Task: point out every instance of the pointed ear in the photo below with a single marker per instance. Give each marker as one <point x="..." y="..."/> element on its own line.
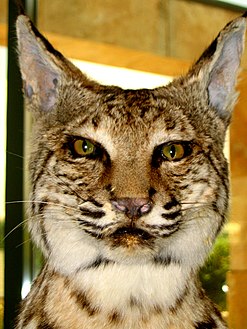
<point x="40" y="64"/>
<point x="217" y="68"/>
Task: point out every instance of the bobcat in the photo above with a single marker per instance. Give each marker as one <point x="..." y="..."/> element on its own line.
<point x="129" y="189"/>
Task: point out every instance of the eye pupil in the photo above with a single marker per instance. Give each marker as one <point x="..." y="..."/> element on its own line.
<point x="172" y="151"/>
<point x="86" y="146"/>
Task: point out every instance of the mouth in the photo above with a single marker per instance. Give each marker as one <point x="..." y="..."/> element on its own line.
<point x="133" y="232"/>
<point x="130" y="237"/>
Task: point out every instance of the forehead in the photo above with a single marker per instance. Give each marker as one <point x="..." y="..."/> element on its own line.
<point x="133" y="116"/>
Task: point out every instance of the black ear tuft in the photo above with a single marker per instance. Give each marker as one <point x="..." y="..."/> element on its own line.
<point x="218" y="67"/>
<point x="39" y="64"/>
<point x="20" y="8"/>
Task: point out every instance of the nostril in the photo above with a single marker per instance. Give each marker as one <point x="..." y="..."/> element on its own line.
<point x="132" y="207"/>
<point x="145" y="208"/>
<point x="119" y="206"/>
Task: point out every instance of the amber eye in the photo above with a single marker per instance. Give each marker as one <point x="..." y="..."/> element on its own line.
<point x="83" y="147"/>
<point x="173" y="152"/>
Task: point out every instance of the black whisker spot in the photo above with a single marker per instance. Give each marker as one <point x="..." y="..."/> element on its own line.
<point x="171" y="204"/>
<point x="93" y="234"/>
<point x="165" y="229"/>
<point x="95" y="203"/>
<point x="172" y="215"/>
<point x="92" y="214"/>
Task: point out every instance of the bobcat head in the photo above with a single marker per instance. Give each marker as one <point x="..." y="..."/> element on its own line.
<point x="128" y="176"/>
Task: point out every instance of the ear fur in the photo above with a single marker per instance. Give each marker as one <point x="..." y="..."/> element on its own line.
<point x="42" y="67"/>
<point x="218" y="66"/>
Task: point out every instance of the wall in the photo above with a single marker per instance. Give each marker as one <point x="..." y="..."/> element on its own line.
<point x="237" y="278"/>
<point x="176" y="28"/>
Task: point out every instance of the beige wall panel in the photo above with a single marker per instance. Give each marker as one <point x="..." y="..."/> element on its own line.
<point x="130" y="23"/>
<point x="238" y="224"/>
<point x="237" y="299"/>
<point x="3" y="11"/>
<point x="193" y="26"/>
<point x="237" y="278"/>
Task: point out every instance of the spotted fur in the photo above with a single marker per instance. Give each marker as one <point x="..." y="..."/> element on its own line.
<point x="124" y="230"/>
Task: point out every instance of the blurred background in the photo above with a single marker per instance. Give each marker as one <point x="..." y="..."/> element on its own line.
<point x="135" y="43"/>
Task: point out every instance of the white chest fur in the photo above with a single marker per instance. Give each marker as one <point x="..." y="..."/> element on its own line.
<point x="116" y="286"/>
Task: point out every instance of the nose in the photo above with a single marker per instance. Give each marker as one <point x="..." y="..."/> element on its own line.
<point x="134" y="208"/>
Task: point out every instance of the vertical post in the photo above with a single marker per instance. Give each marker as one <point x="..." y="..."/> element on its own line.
<point x="15" y="190"/>
<point x="14" y="179"/>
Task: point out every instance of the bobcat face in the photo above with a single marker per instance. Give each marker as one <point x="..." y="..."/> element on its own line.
<point x="133" y="177"/>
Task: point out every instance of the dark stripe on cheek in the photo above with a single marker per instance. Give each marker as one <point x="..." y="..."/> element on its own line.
<point x="172" y="215"/>
<point x="170" y="204"/>
<point x="44" y="234"/>
<point x="96" y="203"/>
<point x="93" y="234"/>
<point x="39" y="173"/>
<point x="223" y="174"/>
<point x="92" y="214"/>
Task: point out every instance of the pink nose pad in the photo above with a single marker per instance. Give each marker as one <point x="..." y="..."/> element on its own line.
<point x="133" y="207"/>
